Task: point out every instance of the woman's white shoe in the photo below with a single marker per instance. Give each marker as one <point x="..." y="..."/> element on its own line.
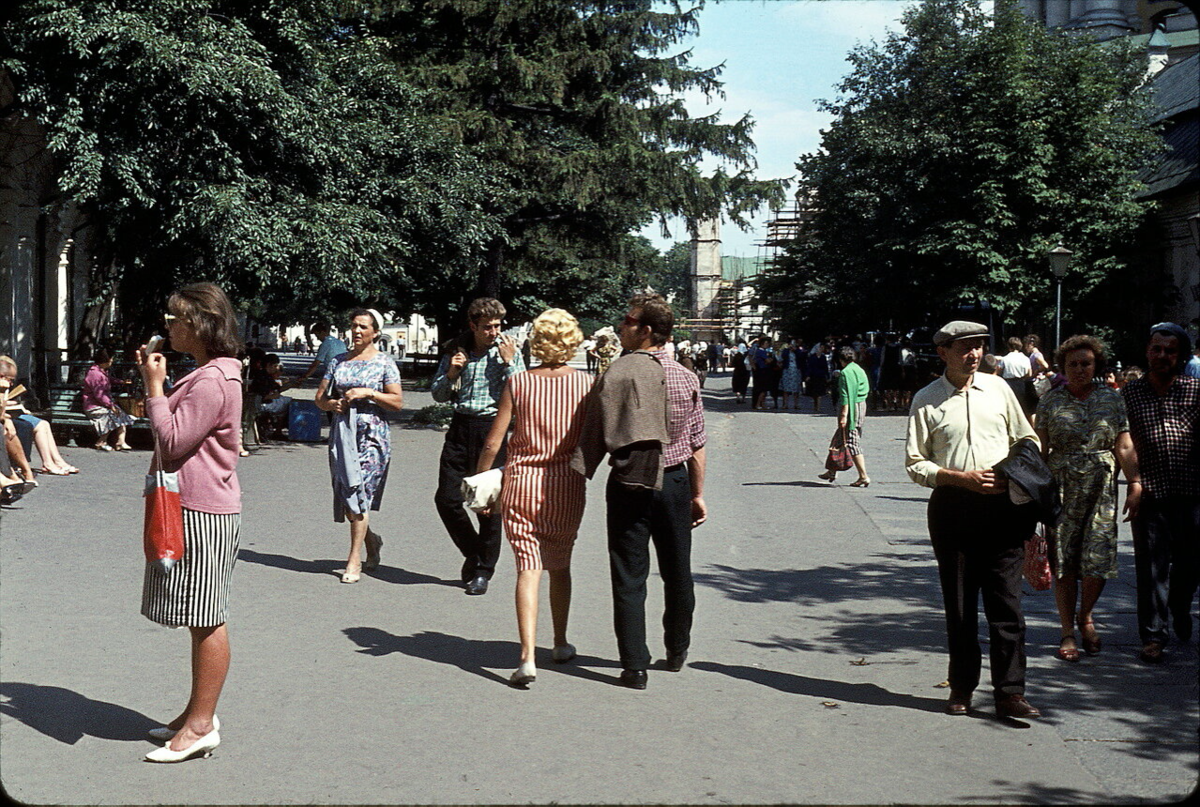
<point x="166" y="733"/>
<point x="525" y="674"/>
<point x="202" y="747"/>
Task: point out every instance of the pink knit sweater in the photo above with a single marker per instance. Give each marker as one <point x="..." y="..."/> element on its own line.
<point x="197" y="426"/>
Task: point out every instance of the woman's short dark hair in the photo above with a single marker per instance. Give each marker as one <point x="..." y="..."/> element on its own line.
<point x="655" y="313"/>
<point x="101" y="356"/>
<point x="1033" y="340"/>
<point x="1014" y="343"/>
<point x="845" y="355"/>
<point x="207" y="310"/>
<point x="362" y="312"/>
<point x="1081" y="342"/>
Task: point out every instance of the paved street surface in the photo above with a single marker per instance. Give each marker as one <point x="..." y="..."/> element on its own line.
<point x="813" y="676"/>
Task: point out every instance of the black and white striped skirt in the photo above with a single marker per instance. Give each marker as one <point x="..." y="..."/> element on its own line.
<point x="196" y="592"/>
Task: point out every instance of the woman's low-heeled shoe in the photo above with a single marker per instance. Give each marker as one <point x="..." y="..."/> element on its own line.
<point x="202" y="747"/>
<point x="525" y="674"/>
<point x="563" y="653"/>
<point x="350" y="577"/>
<point x="166" y="733"/>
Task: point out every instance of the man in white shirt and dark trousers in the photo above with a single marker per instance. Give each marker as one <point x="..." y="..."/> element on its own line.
<point x="959" y="427"/>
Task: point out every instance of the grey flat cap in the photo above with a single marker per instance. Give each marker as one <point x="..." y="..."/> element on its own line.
<point x="959" y="329"/>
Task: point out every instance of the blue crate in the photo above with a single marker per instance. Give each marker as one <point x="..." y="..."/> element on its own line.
<point x="305" y="421"/>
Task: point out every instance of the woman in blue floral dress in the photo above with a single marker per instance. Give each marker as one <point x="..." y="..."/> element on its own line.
<point x="357" y="387"/>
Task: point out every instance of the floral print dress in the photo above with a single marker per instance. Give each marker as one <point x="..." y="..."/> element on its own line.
<point x="1083" y="434"/>
<point x="372" y="435"/>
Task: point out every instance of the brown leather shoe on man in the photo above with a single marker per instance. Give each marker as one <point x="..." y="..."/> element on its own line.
<point x="1016" y="706"/>
<point x="959" y="703"/>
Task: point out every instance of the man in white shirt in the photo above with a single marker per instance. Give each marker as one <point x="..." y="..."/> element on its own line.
<point x="959" y="427"/>
<point x="1014" y="364"/>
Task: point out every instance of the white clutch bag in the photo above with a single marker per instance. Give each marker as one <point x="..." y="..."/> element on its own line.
<point x="482" y="490"/>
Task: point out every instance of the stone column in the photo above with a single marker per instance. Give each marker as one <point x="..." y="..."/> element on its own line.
<point x="706" y="276"/>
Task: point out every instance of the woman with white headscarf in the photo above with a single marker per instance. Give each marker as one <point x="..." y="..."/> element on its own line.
<point x="358" y="386"/>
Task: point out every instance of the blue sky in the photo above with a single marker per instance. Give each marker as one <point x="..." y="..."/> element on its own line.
<point x="780" y="57"/>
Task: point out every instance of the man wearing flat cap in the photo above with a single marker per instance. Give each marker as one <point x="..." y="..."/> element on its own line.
<point x="959" y="427"/>
<point x="1164" y="422"/>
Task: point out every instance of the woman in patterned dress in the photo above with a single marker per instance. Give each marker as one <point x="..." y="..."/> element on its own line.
<point x="358" y="386"/>
<point x="542" y="499"/>
<point x="1085" y="434"/>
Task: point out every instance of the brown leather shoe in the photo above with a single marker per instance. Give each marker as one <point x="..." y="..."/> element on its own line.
<point x="959" y="703"/>
<point x="1016" y="706"/>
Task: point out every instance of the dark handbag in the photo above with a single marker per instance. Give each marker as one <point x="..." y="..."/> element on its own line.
<point x="162" y="528"/>
<point x="840" y="458"/>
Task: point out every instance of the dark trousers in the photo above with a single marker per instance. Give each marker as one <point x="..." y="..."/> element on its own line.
<point x="460" y="453"/>
<point x="1166" y="555"/>
<point x="636" y="517"/>
<point x="979" y="543"/>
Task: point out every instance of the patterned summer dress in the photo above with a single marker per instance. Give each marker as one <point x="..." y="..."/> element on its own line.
<point x="371" y="430"/>
<point x="1082" y="437"/>
<point x="542" y="499"/>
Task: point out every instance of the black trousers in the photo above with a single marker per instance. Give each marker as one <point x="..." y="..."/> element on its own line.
<point x="979" y="542"/>
<point x="460" y="453"/>
<point x="1166" y="556"/>
<point x="636" y="517"/>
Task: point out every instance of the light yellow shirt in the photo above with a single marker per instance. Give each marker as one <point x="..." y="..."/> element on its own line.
<point x="962" y="430"/>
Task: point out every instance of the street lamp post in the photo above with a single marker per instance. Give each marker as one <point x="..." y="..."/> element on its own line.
<point x="1060" y="258"/>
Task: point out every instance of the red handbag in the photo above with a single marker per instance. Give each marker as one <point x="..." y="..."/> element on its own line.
<point x="840" y="458"/>
<point x="162" y="529"/>
<point x="1037" y="560"/>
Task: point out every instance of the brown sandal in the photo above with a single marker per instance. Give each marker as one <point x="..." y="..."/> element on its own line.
<point x="1091" y="643"/>
<point x="1068" y="653"/>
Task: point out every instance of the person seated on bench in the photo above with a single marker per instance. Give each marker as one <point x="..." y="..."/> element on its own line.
<point x="43" y="437"/>
<point x="106" y="416"/>
<point x="266" y="383"/>
<point x="16" y="477"/>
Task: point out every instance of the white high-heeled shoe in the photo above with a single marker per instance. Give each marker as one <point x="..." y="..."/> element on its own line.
<point x="525" y="674"/>
<point x="202" y="747"/>
<point x="166" y="733"/>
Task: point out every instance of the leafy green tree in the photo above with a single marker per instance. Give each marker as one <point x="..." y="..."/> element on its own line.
<point x="576" y="106"/>
<point x="961" y="151"/>
<point x="258" y="143"/>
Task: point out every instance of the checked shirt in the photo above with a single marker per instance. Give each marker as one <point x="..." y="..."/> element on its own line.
<point x="686" y="422"/>
<point x="1164" y="431"/>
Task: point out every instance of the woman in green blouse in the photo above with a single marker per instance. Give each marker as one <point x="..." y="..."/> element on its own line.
<point x="1085" y="434"/>
<point x="852" y="390"/>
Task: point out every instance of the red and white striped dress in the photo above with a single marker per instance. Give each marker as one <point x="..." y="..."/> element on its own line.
<point x="542" y="499"/>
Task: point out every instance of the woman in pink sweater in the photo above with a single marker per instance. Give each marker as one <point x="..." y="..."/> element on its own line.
<point x="196" y="429"/>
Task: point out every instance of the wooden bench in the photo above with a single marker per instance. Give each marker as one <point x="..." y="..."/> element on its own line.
<point x="66" y="412"/>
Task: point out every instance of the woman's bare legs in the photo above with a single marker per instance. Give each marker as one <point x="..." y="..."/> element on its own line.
<point x="560" y="603"/>
<point x="359" y="527"/>
<point x="528" y="581"/>
<point x="210" y="666"/>
<point x="120" y="433"/>
<point x="1066" y="588"/>
<point x="16" y="453"/>
<point x="43" y="438"/>
<point x="860" y="464"/>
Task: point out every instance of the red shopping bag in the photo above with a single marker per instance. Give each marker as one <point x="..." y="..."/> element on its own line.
<point x="1037" y="560"/>
<point x="162" y="530"/>
<point x="840" y="458"/>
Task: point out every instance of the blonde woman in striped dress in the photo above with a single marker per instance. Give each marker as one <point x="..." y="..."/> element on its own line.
<point x="542" y="499"/>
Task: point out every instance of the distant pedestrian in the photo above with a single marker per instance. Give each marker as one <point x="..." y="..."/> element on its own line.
<point x="196" y="429"/>
<point x="1084" y="433"/>
<point x="790" y="377"/>
<point x="359" y="386"/>
<point x="646" y="411"/>
<point x="1037" y="362"/>
<point x="107" y="418"/>
<point x="761" y="366"/>
<point x="741" y="375"/>
<point x="330" y="347"/>
<point x="853" y="388"/>
<point x="961" y="425"/>
<point x="1164" y="421"/>
<point x="816" y="377"/>
<point x="542" y="498"/>
<point x="472" y="375"/>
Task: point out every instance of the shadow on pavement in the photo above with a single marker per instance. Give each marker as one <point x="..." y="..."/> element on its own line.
<point x="388" y="574"/>
<point x="799" y="483"/>
<point x="868" y="694"/>
<point x="470" y="655"/>
<point x="68" y="716"/>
